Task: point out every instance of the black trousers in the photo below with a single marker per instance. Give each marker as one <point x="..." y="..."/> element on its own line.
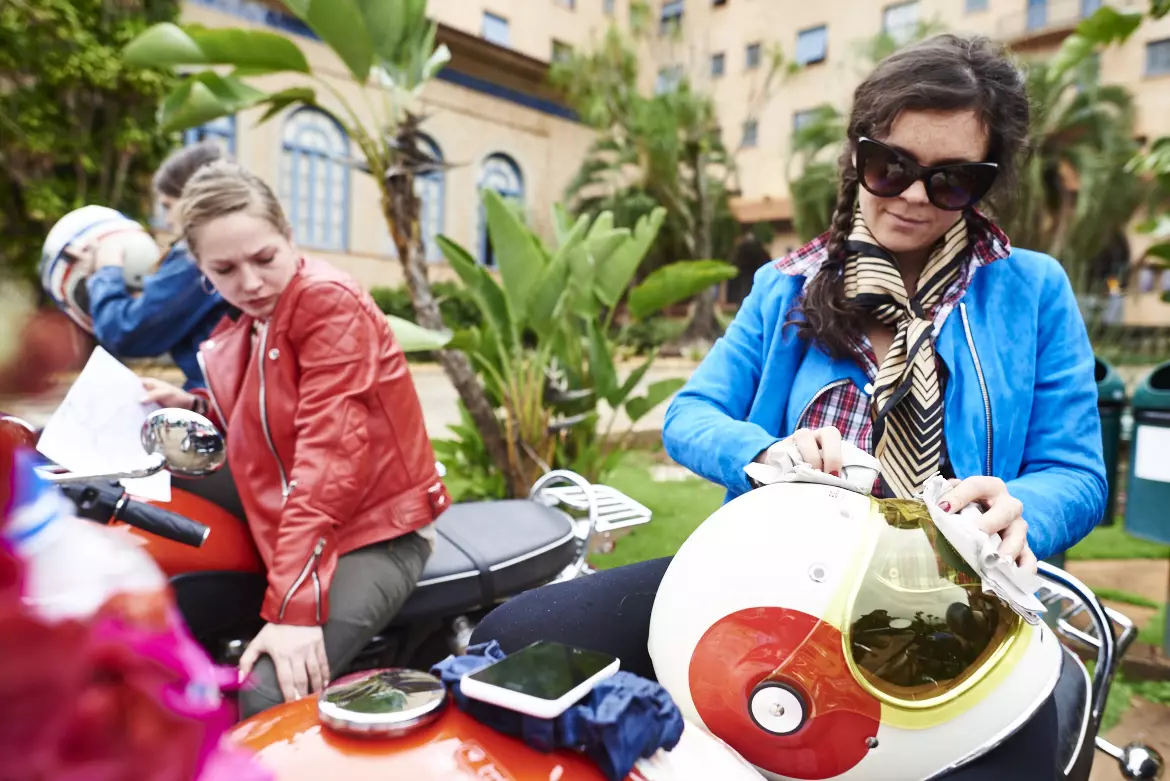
<point x="610" y="612"/>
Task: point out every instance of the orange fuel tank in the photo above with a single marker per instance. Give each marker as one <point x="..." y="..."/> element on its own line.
<point x="228" y="548"/>
<point x="295" y="746"/>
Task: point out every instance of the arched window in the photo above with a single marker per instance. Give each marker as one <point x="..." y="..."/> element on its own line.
<point x="429" y="186"/>
<point x="499" y="173"/>
<point x="314" y="179"/>
<point x="221" y="131"/>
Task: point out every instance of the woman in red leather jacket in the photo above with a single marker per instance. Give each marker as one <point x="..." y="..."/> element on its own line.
<point x="324" y="431"/>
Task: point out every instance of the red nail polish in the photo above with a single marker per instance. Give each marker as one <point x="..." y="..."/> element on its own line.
<point x="945" y="506"/>
<point x="835" y="473"/>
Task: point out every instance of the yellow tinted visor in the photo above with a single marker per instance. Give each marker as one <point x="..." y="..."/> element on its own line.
<point x="918" y="629"/>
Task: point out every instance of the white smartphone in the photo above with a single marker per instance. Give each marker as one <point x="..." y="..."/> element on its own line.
<point x="543" y="680"/>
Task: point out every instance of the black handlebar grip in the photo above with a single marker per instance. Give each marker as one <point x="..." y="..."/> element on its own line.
<point x="162" y="522"/>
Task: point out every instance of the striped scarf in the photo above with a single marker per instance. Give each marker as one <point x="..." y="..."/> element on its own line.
<point x="907" y="403"/>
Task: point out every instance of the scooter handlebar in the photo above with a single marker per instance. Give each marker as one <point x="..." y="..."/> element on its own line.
<point x="162" y="522"/>
<point x="105" y="502"/>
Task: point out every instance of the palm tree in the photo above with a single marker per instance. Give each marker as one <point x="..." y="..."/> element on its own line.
<point x="1075" y="194"/>
<point x="660" y="150"/>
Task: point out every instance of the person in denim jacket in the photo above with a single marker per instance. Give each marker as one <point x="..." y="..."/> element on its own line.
<point x="175" y="310"/>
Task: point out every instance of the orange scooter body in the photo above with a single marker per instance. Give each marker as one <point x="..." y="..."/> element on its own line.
<point x="294" y="746"/>
<point x="228" y="548"/>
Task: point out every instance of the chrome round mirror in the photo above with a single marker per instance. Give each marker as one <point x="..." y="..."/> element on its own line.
<point x="188" y="442"/>
<point x="1141" y="762"/>
<point x="382" y="703"/>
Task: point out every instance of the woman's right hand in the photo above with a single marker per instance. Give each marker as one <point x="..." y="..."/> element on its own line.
<point x="166" y="395"/>
<point x="820" y="449"/>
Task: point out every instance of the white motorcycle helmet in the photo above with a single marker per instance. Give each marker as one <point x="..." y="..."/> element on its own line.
<point x="825" y="634"/>
<point x="73" y="244"/>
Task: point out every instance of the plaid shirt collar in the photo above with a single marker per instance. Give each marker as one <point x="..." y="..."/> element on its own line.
<point x="988" y="244"/>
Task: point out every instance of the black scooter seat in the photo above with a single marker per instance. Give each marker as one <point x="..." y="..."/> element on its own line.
<point x="486" y="551"/>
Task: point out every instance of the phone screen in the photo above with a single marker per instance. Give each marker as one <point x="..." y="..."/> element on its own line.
<point x="544" y="670"/>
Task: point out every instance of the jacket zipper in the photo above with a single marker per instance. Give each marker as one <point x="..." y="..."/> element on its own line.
<point x="982" y="385"/>
<point x="285" y="488"/>
<point x="310" y="568"/>
<point x="817" y="395"/>
<point x="210" y="392"/>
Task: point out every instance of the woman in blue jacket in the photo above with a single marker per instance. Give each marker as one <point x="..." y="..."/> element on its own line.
<point x="911" y="329"/>
<point x="175" y="310"/>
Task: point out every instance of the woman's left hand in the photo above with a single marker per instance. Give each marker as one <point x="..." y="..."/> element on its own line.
<point x="298" y="654"/>
<point x="1003" y="515"/>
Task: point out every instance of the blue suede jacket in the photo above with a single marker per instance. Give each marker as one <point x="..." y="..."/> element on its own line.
<point x="1021" y="398"/>
<point x="173" y="313"/>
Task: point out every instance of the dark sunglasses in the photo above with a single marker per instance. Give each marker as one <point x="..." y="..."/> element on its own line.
<point x="887" y="173"/>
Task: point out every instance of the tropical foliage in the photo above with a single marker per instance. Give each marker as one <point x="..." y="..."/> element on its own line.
<point x="77" y="126"/>
<point x="542" y="349"/>
<point x="388" y="49"/>
<point x="662" y="149"/>
<point x="1105" y="28"/>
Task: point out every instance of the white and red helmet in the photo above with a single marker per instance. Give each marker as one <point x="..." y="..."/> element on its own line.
<point x="824" y="634"/>
<point x="74" y="242"/>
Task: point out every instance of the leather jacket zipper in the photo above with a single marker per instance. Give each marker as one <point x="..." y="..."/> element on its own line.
<point x="817" y="395"/>
<point x="285" y="487"/>
<point x="310" y="569"/>
<point x="982" y="385"/>
<point x="210" y="392"/>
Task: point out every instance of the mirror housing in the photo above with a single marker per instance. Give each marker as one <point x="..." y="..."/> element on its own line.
<point x="188" y="442"/>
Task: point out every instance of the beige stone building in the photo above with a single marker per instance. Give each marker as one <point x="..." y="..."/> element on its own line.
<point x="494" y="118"/>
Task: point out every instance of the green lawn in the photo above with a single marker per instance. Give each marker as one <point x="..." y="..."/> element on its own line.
<point x="1112" y="542"/>
<point x="678" y="507"/>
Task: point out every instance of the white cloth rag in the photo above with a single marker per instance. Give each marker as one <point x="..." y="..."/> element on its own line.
<point x="1000" y="575"/>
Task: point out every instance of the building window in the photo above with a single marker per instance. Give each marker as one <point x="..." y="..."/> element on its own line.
<point x="499" y="173"/>
<point x="718" y="64"/>
<point x="430" y="187"/>
<point x="495" y="29"/>
<point x="1037" y="14"/>
<point x="314" y="179"/>
<point x="751" y="133"/>
<point x="972" y="6"/>
<point x="1090" y="7"/>
<point x="607" y="7"/>
<point x="900" y="21"/>
<point x="220" y="131"/>
<point x="802" y="118"/>
<point x="752" y="56"/>
<point x="811" y="45"/>
<point x="561" y="51"/>
<point x="671" y="19"/>
<point x="1158" y="57"/>
<point x="668" y="79"/>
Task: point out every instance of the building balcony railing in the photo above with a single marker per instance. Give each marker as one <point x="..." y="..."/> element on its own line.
<point x="1052" y="18"/>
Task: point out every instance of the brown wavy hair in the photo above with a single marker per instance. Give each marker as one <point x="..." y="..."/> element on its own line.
<point x="941" y="73"/>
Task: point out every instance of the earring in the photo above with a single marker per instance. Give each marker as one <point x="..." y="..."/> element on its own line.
<point x="206" y="285"/>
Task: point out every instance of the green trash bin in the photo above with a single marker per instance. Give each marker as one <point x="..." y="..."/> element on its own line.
<point x="1110" y="404"/>
<point x="1147" y="502"/>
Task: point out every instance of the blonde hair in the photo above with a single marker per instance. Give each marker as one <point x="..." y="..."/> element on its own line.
<point x="222" y="188"/>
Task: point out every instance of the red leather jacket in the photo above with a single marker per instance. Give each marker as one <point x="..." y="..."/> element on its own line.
<point x="325" y="435"/>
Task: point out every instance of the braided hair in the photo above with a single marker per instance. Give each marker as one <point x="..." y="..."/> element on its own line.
<point x="942" y="73"/>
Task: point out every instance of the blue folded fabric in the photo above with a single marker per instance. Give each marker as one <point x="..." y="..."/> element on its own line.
<point x="623" y="718"/>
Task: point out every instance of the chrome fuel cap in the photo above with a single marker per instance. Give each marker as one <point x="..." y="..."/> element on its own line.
<point x="382" y="703"/>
